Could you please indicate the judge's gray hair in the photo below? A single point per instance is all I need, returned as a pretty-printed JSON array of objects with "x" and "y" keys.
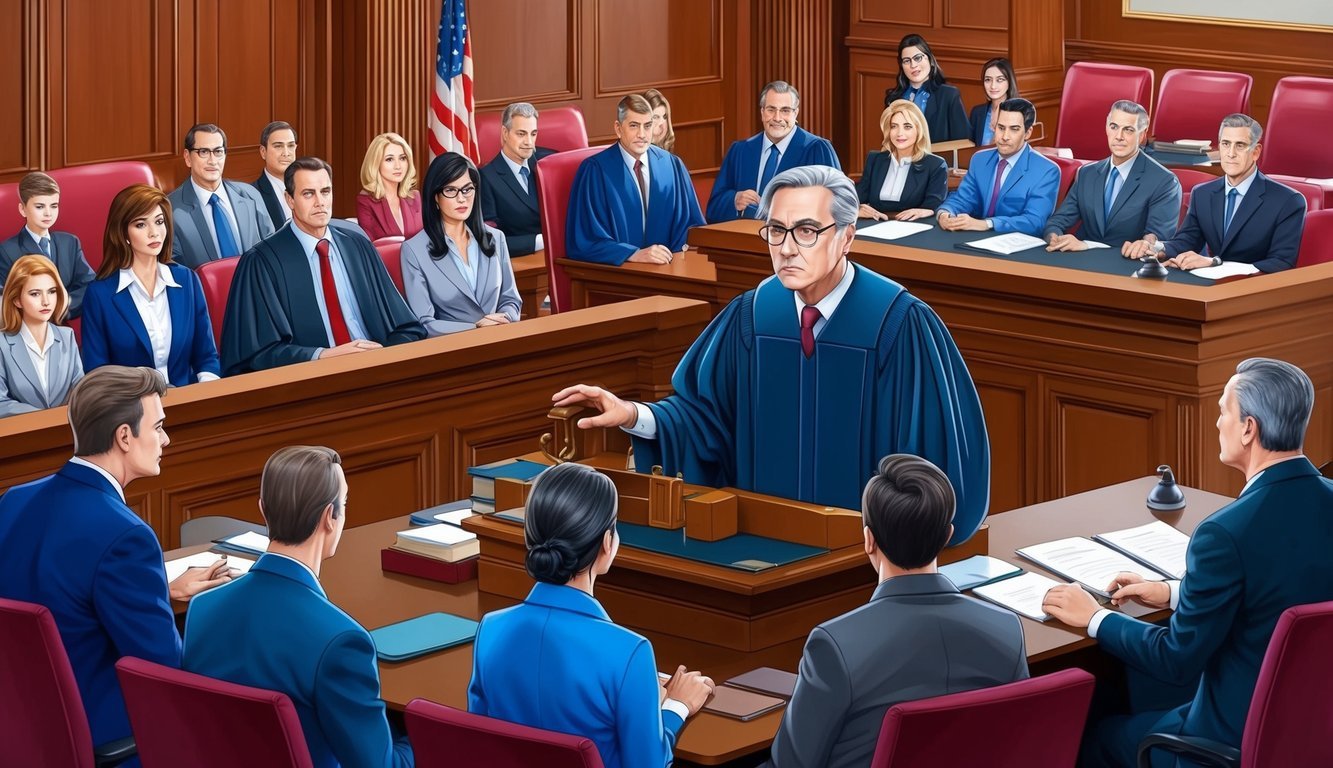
[
  {"x": 1243, "y": 121},
  {"x": 1279, "y": 396},
  {"x": 517, "y": 109},
  {"x": 845, "y": 202}
]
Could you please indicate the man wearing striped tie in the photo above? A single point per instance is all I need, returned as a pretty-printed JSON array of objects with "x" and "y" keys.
[
  {"x": 214, "y": 218},
  {"x": 39, "y": 204}
]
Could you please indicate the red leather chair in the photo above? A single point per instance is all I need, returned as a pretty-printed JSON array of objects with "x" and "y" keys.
[
  {"x": 1192, "y": 102},
  {"x": 1038, "y": 721},
  {"x": 1295, "y": 141},
  {"x": 1291, "y": 711},
  {"x": 1068, "y": 170},
  {"x": 558, "y": 128},
  {"x": 1189, "y": 179},
  {"x": 443, "y": 735},
  {"x": 180, "y": 718},
  {"x": 1090, "y": 90},
  {"x": 1313, "y": 193},
  {"x": 44, "y": 722},
  {"x": 86, "y": 192},
  {"x": 216, "y": 279},
  {"x": 1317, "y": 240},
  {"x": 390, "y": 249},
  {"x": 554, "y": 183}
]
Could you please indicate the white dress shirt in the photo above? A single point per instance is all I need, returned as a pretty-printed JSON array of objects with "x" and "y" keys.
[
  {"x": 37, "y": 354},
  {"x": 109, "y": 478},
  {"x": 154, "y": 310},
  {"x": 279, "y": 189},
  {"x": 205, "y": 198},
  {"x": 895, "y": 179},
  {"x": 783, "y": 143}
]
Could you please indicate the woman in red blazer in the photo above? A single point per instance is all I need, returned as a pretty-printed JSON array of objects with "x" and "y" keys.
[{"x": 388, "y": 203}]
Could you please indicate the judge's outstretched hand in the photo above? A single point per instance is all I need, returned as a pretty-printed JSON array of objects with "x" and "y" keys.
[{"x": 614, "y": 411}]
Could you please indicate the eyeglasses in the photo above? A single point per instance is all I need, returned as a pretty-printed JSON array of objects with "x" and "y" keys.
[
  {"x": 805, "y": 235},
  {"x": 785, "y": 111},
  {"x": 917, "y": 59},
  {"x": 205, "y": 152},
  {"x": 452, "y": 192}
]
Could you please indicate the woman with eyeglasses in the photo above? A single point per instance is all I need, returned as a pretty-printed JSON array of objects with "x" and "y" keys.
[
  {"x": 456, "y": 270},
  {"x": 903, "y": 180},
  {"x": 388, "y": 203},
  {"x": 997, "y": 79},
  {"x": 921, "y": 81}
]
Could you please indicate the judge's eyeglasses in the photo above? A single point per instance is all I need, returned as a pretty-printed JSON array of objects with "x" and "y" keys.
[{"x": 805, "y": 235}]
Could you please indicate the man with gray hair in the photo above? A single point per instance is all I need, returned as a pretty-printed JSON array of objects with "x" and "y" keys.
[
  {"x": 799, "y": 386},
  {"x": 1243, "y": 217},
  {"x": 751, "y": 163},
  {"x": 1247, "y": 563},
  {"x": 509, "y": 196},
  {"x": 1122, "y": 200}
]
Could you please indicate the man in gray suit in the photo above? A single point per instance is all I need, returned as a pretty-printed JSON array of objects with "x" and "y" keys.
[
  {"x": 917, "y": 637},
  {"x": 1122, "y": 200},
  {"x": 214, "y": 218}
]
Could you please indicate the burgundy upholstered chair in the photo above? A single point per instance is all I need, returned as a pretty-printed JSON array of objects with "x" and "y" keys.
[
  {"x": 1090, "y": 90},
  {"x": 390, "y": 249},
  {"x": 1295, "y": 140},
  {"x": 554, "y": 183},
  {"x": 215, "y": 278},
  {"x": 1192, "y": 102},
  {"x": 444, "y": 736}
]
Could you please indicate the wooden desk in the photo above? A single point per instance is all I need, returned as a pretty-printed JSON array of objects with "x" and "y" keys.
[
  {"x": 354, "y": 581},
  {"x": 690, "y": 275},
  {"x": 531, "y": 281},
  {"x": 408, "y": 420}
]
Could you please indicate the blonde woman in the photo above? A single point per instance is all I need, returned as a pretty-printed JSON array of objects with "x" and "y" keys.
[
  {"x": 902, "y": 179},
  {"x": 388, "y": 204},
  {"x": 664, "y": 135},
  {"x": 39, "y": 360}
]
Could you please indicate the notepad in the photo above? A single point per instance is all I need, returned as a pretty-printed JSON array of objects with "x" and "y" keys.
[
  {"x": 978, "y": 570},
  {"x": 1022, "y": 594},
  {"x": 1091, "y": 564},
  {"x": 1225, "y": 269},
  {"x": 175, "y": 568},
  {"x": 422, "y": 635},
  {"x": 892, "y": 229},
  {"x": 740, "y": 704},
  {"x": 1005, "y": 244},
  {"x": 249, "y": 542},
  {"x": 1156, "y": 545}
]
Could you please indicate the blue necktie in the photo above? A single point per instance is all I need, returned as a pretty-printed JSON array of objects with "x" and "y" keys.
[
  {"x": 227, "y": 246},
  {"x": 45, "y": 245},
  {"x": 1112, "y": 189},
  {"x": 526, "y": 177},
  {"x": 770, "y": 168},
  {"x": 1231, "y": 209}
]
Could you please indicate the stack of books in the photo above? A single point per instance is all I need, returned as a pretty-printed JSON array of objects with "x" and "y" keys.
[
  {"x": 440, "y": 552},
  {"x": 1184, "y": 146},
  {"x": 484, "y": 477}
]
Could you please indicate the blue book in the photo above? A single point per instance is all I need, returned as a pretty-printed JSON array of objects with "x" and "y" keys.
[
  {"x": 484, "y": 476},
  {"x": 422, "y": 635},
  {"x": 978, "y": 570},
  {"x": 442, "y": 513}
]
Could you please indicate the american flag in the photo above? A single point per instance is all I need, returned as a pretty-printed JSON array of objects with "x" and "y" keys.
[{"x": 451, "y": 104}]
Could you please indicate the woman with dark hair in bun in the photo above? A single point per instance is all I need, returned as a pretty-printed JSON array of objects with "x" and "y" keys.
[{"x": 557, "y": 661}]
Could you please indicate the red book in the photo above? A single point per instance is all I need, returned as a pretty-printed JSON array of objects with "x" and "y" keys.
[{"x": 398, "y": 561}]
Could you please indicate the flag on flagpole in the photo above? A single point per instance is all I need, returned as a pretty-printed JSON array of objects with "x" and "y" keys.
[{"x": 451, "y": 103}]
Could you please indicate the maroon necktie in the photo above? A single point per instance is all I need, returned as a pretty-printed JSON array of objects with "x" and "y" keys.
[
  {"x": 809, "y": 316},
  {"x": 643, "y": 187},
  {"x": 995, "y": 189},
  {"x": 335, "y": 309}
]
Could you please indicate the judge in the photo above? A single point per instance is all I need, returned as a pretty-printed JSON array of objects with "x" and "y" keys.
[
  {"x": 315, "y": 289},
  {"x": 632, "y": 201},
  {"x": 799, "y": 386}
]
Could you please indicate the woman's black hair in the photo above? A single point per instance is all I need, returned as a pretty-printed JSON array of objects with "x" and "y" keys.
[
  {"x": 936, "y": 74},
  {"x": 443, "y": 170},
  {"x": 1007, "y": 69},
  {"x": 570, "y": 509}
]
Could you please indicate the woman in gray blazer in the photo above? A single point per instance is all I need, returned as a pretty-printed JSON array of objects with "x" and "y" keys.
[
  {"x": 39, "y": 361},
  {"x": 456, "y": 270}
]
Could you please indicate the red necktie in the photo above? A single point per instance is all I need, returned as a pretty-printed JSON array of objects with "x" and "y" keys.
[
  {"x": 331, "y": 303},
  {"x": 809, "y": 316},
  {"x": 643, "y": 186},
  {"x": 995, "y": 189}
]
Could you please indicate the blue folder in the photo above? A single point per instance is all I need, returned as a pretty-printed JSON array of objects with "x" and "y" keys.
[
  {"x": 422, "y": 635},
  {"x": 427, "y": 516}
]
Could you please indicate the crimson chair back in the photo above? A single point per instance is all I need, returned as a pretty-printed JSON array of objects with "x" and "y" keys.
[
  {"x": 86, "y": 192},
  {"x": 1090, "y": 90},
  {"x": 390, "y": 249},
  {"x": 554, "y": 183},
  {"x": 1291, "y": 714},
  {"x": 1189, "y": 179},
  {"x": 1038, "y": 721},
  {"x": 1192, "y": 102},
  {"x": 558, "y": 128},
  {"x": 180, "y": 718},
  {"x": 44, "y": 722},
  {"x": 443, "y": 735},
  {"x": 1317, "y": 239},
  {"x": 1068, "y": 170},
  {"x": 1295, "y": 139},
  {"x": 1313, "y": 193},
  {"x": 215, "y": 277}
]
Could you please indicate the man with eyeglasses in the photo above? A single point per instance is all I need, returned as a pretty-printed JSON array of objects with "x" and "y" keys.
[
  {"x": 277, "y": 148},
  {"x": 750, "y": 164},
  {"x": 315, "y": 289},
  {"x": 213, "y": 218},
  {"x": 799, "y": 386},
  {"x": 632, "y": 201}
]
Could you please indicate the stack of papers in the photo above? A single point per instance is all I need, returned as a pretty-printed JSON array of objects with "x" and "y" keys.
[
  {"x": 1156, "y": 545},
  {"x": 1006, "y": 244},
  {"x": 1092, "y": 565},
  {"x": 250, "y": 543},
  {"x": 893, "y": 230},
  {"x": 441, "y": 542},
  {"x": 175, "y": 568},
  {"x": 1021, "y": 594}
]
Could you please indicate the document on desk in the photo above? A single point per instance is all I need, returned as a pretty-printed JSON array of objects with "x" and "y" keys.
[
  {"x": 893, "y": 229},
  {"x": 175, "y": 568},
  {"x": 1156, "y": 545},
  {"x": 1090, "y": 563},
  {"x": 1006, "y": 244},
  {"x": 1022, "y": 594},
  {"x": 250, "y": 543},
  {"x": 1225, "y": 269}
]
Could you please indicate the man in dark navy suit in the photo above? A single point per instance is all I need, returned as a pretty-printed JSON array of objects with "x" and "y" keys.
[
  {"x": 1247, "y": 563},
  {"x": 39, "y": 204},
  {"x": 277, "y": 148},
  {"x": 509, "y": 196}
]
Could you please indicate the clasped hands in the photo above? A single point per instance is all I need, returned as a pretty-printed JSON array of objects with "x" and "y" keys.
[
  {"x": 1075, "y": 606},
  {"x": 495, "y": 318},
  {"x": 911, "y": 214},
  {"x": 960, "y": 222}
]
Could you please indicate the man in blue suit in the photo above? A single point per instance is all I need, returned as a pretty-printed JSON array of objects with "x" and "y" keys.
[
  {"x": 69, "y": 542},
  {"x": 1243, "y": 216},
  {"x": 275, "y": 628},
  {"x": 632, "y": 201},
  {"x": 1010, "y": 188},
  {"x": 752, "y": 163},
  {"x": 1247, "y": 563},
  {"x": 213, "y": 218},
  {"x": 510, "y": 199},
  {"x": 1120, "y": 199}
]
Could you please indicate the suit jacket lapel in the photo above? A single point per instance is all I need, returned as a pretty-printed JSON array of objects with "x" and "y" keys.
[
  {"x": 629, "y": 187},
  {"x": 1249, "y": 203},
  {"x": 795, "y": 149},
  {"x": 488, "y": 287},
  {"x": 244, "y": 209},
  {"x": 916, "y": 177},
  {"x": 302, "y": 308},
  {"x": 511, "y": 182},
  {"x": 125, "y": 305},
  {"x": 181, "y": 322},
  {"x": 190, "y": 203},
  {"x": 1019, "y": 166},
  {"x": 1127, "y": 191},
  {"x": 453, "y": 274},
  {"x": 19, "y": 351},
  {"x": 660, "y": 198}
]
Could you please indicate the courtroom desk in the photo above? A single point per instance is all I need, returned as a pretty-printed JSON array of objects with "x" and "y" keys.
[
  {"x": 1088, "y": 379},
  {"x": 690, "y": 275},
  {"x": 408, "y": 420},
  {"x": 530, "y": 280}
]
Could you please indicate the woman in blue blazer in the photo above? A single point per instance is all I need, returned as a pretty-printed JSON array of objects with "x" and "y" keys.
[
  {"x": 456, "y": 270},
  {"x": 922, "y": 82},
  {"x": 39, "y": 360},
  {"x": 903, "y": 179},
  {"x": 557, "y": 661},
  {"x": 997, "y": 80},
  {"x": 144, "y": 309}
]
